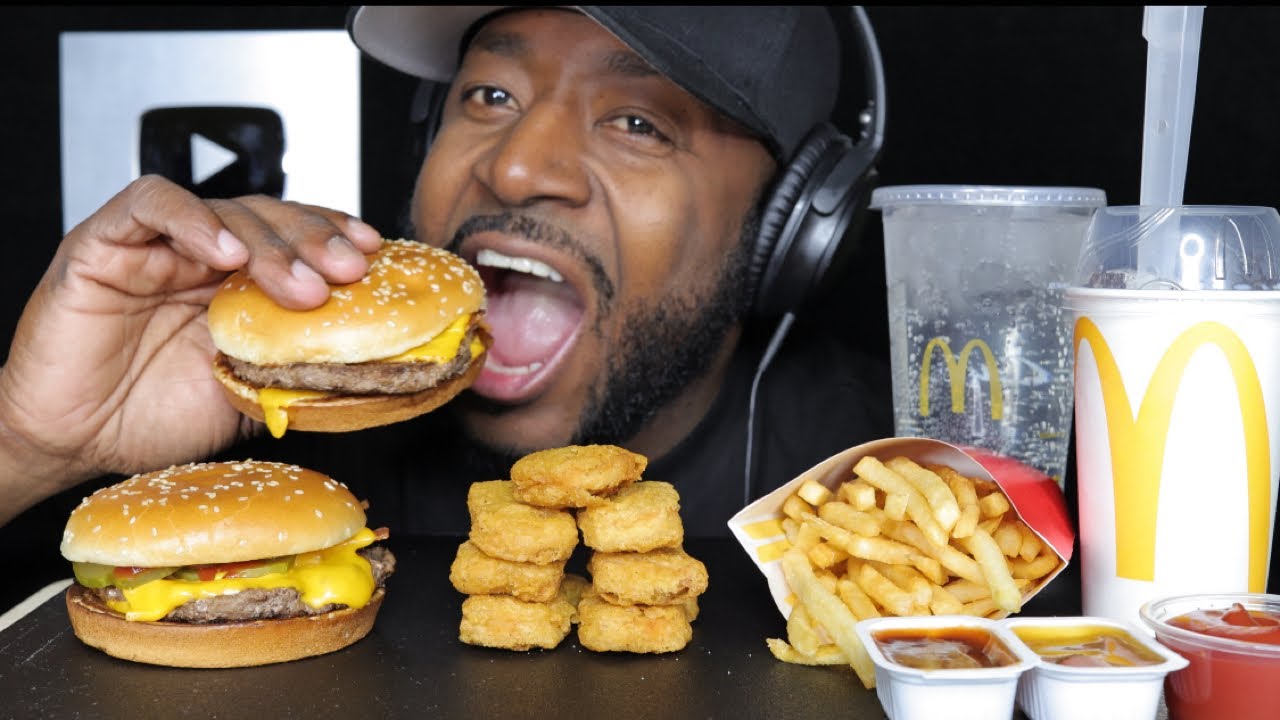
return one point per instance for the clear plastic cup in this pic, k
(1226, 677)
(1177, 402)
(980, 347)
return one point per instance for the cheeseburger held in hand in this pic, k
(402, 341)
(223, 565)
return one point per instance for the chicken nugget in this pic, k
(639, 518)
(666, 576)
(501, 621)
(475, 573)
(572, 589)
(503, 527)
(605, 627)
(575, 476)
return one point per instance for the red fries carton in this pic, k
(1035, 498)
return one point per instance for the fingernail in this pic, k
(303, 273)
(229, 244)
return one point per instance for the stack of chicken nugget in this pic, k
(512, 569)
(644, 588)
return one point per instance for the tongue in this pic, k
(531, 319)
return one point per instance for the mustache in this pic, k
(543, 233)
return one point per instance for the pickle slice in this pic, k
(93, 575)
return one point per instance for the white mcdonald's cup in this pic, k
(980, 347)
(1177, 402)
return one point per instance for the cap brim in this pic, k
(423, 41)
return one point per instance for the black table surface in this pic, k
(413, 665)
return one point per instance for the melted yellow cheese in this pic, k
(275, 400)
(333, 575)
(440, 348)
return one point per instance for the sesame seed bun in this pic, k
(412, 293)
(211, 513)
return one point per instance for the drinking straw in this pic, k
(1173, 56)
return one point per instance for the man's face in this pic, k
(605, 207)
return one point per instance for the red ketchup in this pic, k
(1235, 664)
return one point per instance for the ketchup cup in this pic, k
(1232, 641)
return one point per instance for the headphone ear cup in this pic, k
(781, 217)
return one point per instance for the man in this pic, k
(611, 196)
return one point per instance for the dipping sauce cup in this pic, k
(944, 666)
(1091, 668)
(1232, 641)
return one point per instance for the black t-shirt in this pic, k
(818, 397)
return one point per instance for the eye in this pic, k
(487, 95)
(636, 125)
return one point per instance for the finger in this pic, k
(365, 237)
(273, 263)
(314, 234)
(152, 206)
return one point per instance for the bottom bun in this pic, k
(341, 413)
(216, 645)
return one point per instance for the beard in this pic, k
(691, 329)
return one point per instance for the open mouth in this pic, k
(535, 316)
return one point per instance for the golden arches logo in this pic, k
(957, 368)
(1138, 443)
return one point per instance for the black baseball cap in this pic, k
(773, 69)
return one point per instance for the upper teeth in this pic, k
(491, 258)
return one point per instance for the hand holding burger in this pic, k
(223, 565)
(398, 343)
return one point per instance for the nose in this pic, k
(538, 157)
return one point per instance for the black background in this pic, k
(989, 95)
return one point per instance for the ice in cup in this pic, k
(1177, 402)
(980, 347)
(1232, 641)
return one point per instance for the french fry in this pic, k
(895, 506)
(824, 655)
(814, 492)
(942, 602)
(966, 591)
(1008, 537)
(910, 580)
(946, 510)
(1034, 570)
(966, 497)
(856, 599)
(1031, 544)
(824, 555)
(830, 612)
(994, 504)
(858, 493)
(796, 508)
(883, 591)
(995, 568)
(800, 631)
(844, 515)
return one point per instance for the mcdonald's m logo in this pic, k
(957, 368)
(1138, 443)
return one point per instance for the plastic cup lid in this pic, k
(1012, 196)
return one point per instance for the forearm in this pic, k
(28, 475)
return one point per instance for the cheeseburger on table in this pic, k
(398, 343)
(223, 565)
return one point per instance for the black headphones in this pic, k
(803, 224)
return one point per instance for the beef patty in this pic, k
(258, 604)
(368, 378)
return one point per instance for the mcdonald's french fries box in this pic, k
(909, 530)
